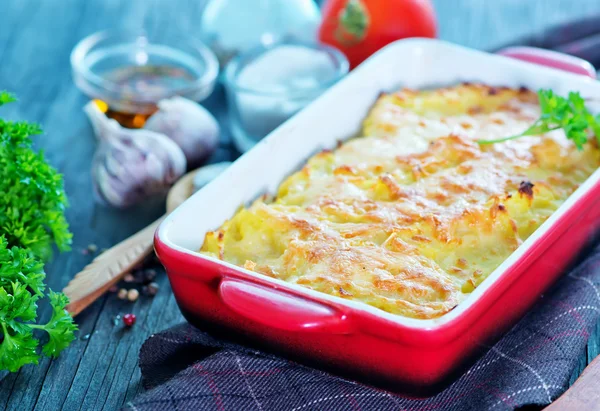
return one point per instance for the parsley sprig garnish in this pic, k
(569, 114)
(32, 205)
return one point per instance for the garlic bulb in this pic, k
(189, 125)
(130, 165)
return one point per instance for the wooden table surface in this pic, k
(99, 371)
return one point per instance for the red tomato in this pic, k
(361, 27)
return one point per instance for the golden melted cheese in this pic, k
(414, 215)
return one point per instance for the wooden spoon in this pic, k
(111, 266)
(584, 395)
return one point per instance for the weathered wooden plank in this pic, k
(7, 382)
(112, 349)
(593, 348)
(154, 319)
(579, 367)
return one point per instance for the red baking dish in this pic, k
(405, 354)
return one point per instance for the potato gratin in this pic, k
(414, 215)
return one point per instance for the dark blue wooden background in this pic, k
(36, 38)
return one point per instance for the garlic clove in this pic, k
(188, 124)
(130, 165)
(103, 126)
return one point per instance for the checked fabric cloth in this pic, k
(184, 368)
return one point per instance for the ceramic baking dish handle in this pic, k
(277, 308)
(552, 59)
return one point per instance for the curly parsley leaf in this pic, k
(17, 350)
(26, 179)
(32, 220)
(557, 112)
(60, 328)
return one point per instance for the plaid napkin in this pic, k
(187, 369)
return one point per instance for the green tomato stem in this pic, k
(353, 23)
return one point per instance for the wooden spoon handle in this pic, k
(108, 268)
(584, 395)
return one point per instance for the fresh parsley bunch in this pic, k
(558, 112)
(32, 219)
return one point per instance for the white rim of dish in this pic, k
(473, 297)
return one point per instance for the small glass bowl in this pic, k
(97, 57)
(255, 111)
